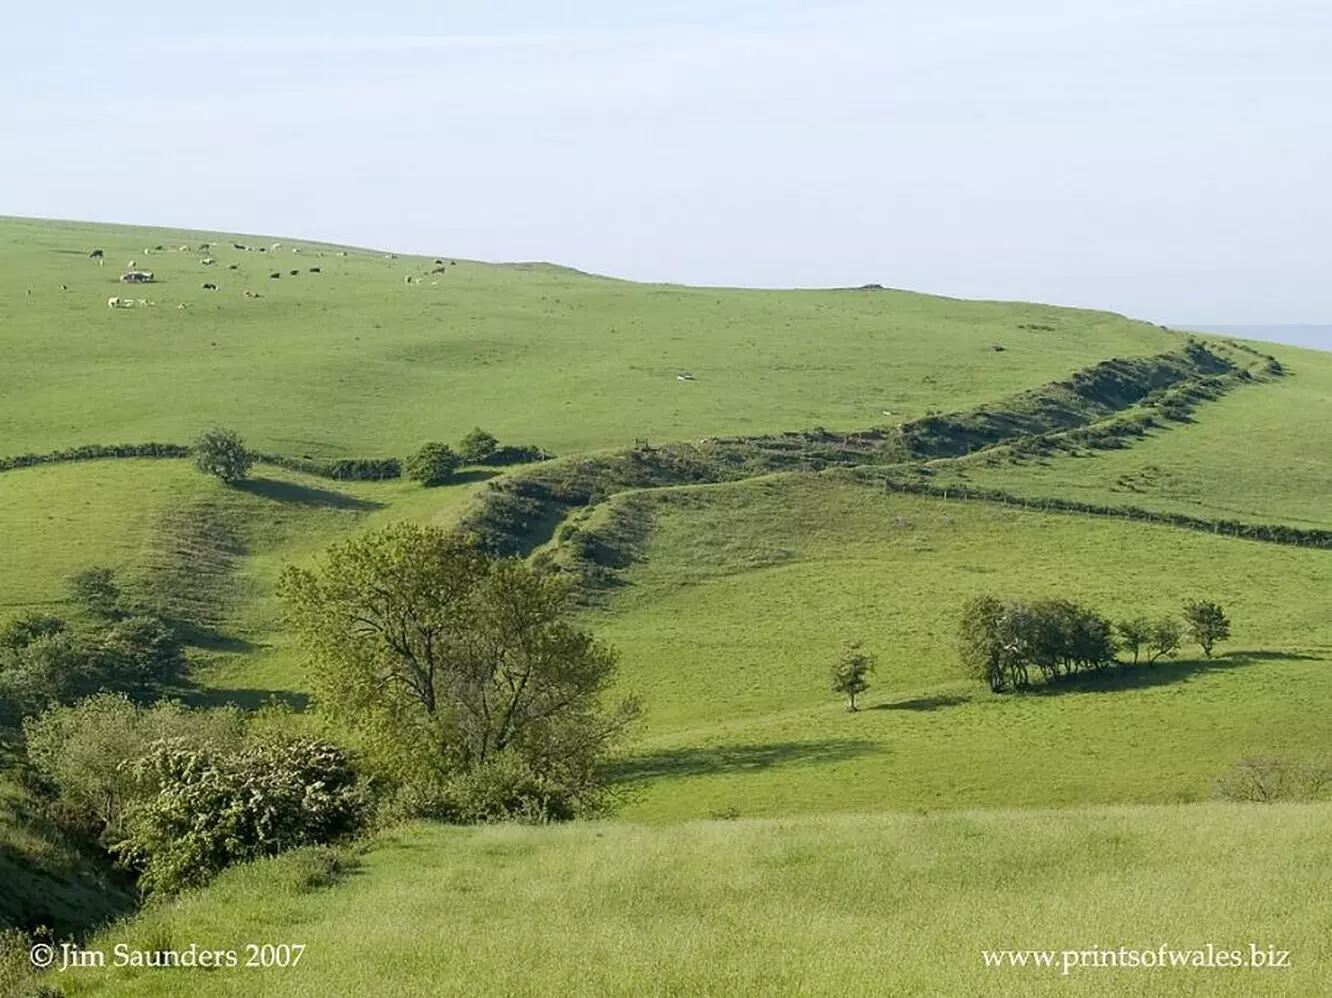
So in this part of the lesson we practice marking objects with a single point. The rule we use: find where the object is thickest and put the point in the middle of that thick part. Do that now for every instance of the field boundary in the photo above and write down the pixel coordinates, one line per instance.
(1269, 533)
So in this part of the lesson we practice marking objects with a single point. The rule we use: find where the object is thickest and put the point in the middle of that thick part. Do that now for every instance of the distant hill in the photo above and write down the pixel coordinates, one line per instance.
(1318, 337)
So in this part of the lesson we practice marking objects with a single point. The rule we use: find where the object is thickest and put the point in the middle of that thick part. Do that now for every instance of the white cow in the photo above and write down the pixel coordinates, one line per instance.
(120, 303)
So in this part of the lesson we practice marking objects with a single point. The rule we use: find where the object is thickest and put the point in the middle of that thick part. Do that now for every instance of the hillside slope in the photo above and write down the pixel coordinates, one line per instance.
(353, 360)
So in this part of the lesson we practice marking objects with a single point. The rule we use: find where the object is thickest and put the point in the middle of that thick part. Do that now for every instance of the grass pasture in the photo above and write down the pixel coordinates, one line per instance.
(729, 620)
(353, 361)
(896, 904)
(1260, 454)
(769, 842)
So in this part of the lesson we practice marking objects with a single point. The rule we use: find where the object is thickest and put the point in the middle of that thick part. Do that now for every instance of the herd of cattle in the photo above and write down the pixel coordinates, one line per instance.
(134, 274)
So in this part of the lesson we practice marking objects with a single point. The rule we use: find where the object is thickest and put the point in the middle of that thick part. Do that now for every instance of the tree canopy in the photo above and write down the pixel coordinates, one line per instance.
(452, 662)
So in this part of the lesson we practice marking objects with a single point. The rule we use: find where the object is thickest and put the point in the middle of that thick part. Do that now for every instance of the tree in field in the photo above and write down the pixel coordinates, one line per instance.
(463, 672)
(851, 671)
(95, 590)
(1134, 635)
(980, 642)
(477, 446)
(433, 464)
(1163, 638)
(222, 453)
(1207, 624)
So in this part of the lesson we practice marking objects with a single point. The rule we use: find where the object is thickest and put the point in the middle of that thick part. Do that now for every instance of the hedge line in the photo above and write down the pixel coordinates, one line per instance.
(346, 469)
(91, 452)
(355, 469)
(1272, 533)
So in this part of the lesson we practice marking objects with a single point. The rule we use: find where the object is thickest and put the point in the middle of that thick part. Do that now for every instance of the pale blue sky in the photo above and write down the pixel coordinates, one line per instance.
(1165, 158)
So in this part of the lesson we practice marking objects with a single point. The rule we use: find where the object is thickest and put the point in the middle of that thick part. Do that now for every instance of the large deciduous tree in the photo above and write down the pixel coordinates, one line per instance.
(454, 663)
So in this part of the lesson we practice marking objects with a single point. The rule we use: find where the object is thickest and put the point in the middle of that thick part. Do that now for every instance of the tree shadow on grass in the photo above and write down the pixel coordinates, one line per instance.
(1140, 676)
(471, 476)
(1271, 656)
(244, 698)
(924, 703)
(305, 495)
(712, 760)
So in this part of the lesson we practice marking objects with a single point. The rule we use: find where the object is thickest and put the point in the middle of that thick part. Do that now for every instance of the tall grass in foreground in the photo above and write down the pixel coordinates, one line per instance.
(894, 904)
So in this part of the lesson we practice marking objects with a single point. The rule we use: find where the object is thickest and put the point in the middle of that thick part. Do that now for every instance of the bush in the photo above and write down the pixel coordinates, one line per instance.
(477, 446)
(95, 590)
(433, 464)
(1265, 779)
(222, 453)
(211, 810)
(351, 469)
(1207, 624)
(83, 749)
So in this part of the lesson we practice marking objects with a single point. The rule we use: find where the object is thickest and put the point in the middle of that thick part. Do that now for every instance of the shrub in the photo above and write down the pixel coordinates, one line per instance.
(83, 749)
(222, 453)
(95, 590)
(433, 464)
(1265, 779)
(477, 446)
(212, 810)
(1207, 624)
(1163, 638)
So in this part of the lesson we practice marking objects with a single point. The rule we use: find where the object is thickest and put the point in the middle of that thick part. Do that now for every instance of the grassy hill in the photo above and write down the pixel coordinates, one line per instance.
(1260, 454)
(739, 600)
(897, 904)
(354, 361)
(727, 601)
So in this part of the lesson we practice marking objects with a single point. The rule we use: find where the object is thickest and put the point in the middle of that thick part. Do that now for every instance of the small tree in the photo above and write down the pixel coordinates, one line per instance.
(1134, 635)
(222, 453)
(477, 446)
(432, 464)
(980, 642)
(1207, 624)
(850, 673)
(96, 591)
(1163, 639)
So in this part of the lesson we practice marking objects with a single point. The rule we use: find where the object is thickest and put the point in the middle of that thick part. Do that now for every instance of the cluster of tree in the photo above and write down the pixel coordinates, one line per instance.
(1005, 641)
(177, 794)
(345, 469)
(474, 695)
(1274, 533)
(435, 463)
(45, 659)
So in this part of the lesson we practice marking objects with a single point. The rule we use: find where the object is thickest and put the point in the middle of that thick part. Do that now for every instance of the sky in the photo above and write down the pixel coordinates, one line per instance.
(1168, 159)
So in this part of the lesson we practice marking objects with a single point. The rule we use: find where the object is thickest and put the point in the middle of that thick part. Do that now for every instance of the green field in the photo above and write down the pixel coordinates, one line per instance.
(728, 622)
(768, 842)
(1261, 454)
(353, 361)
(894, 904)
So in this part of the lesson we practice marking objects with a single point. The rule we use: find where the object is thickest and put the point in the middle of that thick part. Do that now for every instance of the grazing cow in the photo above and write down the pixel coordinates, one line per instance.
(239, 246)
(120, 303)
(233, 266)
(315, 270)
(64, 287)
(439, 270)
(342, 252)
(277, 246)
(137, 277)
(209, 287)
(183, 249)
(96, 255)
(275, 275)
(295, 273)
(131, 265)
(208, 261)
(439, 263)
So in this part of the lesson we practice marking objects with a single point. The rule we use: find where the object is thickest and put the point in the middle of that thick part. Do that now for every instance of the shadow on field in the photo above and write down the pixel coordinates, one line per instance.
(706, 761)
(305, 495)
(924, 703)
(1271, 656)
(246, 699)
(472, 476)
(1141, 676)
